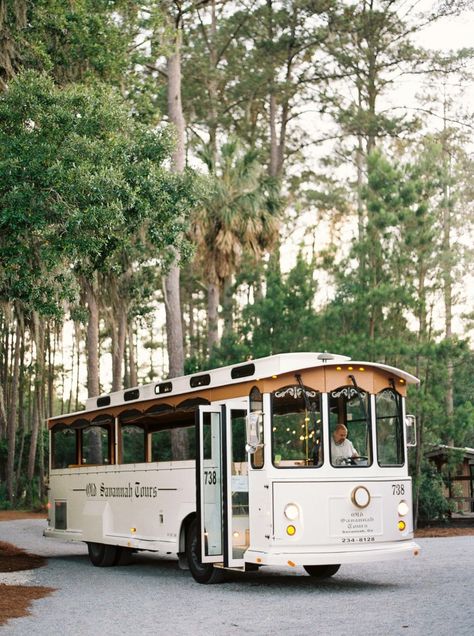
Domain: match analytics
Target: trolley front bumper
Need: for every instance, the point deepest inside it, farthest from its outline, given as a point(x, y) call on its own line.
point(378, 552)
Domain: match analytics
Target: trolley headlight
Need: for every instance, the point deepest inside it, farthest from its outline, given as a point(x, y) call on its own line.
point(403, 508)
point(291, 511)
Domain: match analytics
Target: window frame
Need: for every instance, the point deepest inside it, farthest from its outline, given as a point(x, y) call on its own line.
point(319, 395)
point(369, 449)
point(401, 444)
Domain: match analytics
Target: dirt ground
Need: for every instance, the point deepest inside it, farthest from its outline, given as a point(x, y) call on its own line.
point(15, 600)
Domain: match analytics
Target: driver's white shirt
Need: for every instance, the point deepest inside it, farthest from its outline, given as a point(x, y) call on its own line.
point(341, 451)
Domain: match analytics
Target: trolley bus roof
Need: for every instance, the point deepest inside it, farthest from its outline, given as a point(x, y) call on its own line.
point(257, 369)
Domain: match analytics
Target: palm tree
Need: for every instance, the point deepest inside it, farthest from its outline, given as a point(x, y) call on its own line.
point(240, 214)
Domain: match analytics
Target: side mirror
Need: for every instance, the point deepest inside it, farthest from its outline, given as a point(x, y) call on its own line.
point(410, 425)
point(254, 430)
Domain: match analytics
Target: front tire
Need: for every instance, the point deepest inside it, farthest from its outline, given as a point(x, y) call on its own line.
point(201, 572)
point(321, 571)
point(101, 555)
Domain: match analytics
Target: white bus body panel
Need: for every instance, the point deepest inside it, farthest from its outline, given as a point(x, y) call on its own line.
point(330, 528)
point(138, 506)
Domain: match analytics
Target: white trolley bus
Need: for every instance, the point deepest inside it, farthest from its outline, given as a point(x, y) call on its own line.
point(236, 468)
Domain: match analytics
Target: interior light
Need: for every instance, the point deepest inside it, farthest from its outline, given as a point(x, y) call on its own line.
point(291, 530)
point(236, 534)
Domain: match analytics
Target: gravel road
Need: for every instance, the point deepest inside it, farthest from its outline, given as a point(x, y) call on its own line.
point(430, 595)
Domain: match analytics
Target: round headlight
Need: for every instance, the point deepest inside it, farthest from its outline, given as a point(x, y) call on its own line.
point(403, 508)
point(360, 497)
point(291, 511)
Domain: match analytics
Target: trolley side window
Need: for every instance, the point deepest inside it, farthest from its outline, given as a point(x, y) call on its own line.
point(64, 446)
point(349, 425)
point(390, 446)
point(177, 443)
point(96, 444)
point(296, 427)
point(133, 444)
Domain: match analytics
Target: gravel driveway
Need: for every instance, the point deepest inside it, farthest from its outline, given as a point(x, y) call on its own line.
point(430, 595)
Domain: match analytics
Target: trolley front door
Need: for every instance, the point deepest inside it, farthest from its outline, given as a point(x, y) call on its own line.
point(223, 483)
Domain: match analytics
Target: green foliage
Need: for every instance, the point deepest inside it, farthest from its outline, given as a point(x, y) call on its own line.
point(433, 505)
point(80, 180)
point(77, 41)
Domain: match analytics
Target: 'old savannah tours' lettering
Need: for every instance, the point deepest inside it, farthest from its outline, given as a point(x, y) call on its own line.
point(136, 490)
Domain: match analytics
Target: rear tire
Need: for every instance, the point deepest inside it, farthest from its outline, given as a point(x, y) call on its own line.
point(101, 555)
point(202, 572)
point(123, 556)
point(321, 571)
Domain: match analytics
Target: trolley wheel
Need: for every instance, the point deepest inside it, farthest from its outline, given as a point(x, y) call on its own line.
point(102, 555)
point(321, 571)
point(123, 556)
point(202, 572)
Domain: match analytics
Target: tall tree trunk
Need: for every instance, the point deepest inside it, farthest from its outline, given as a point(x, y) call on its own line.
point(92, 348)
point(12, 417)
point(3, 414)
point(119, 328)
point(174, 326)
point(227, 307)
point(448, 281)
point(92, 337)
point(132, 362)
point(212, 315)
point(77, 335)
point(39, 338)
point(21, 414)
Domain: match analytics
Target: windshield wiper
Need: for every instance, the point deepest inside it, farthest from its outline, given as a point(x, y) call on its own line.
point(311, 409)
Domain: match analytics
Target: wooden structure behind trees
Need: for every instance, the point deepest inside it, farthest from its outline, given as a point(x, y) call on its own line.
point(457, 467)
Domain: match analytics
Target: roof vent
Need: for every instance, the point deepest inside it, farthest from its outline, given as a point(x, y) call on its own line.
point(325, 357)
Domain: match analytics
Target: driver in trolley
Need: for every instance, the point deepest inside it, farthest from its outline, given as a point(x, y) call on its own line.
point(342, 448)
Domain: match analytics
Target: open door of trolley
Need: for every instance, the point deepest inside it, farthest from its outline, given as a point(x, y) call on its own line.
point(222, 484)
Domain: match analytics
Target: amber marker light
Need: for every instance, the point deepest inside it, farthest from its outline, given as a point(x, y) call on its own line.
point(350, 368)
point(133, 530)
point(401, 526)
point(338, 368)
point(291, 530)
point(361, 369)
